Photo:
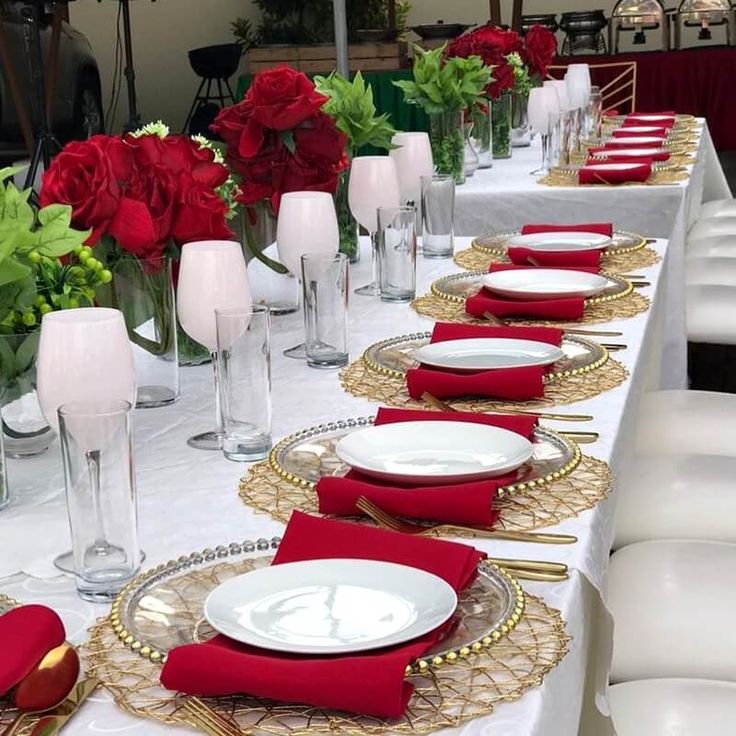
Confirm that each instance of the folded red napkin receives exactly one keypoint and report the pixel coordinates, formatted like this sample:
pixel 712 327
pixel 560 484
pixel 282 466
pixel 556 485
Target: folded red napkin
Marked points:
pixel 372 683
pixel 612 156
pixel 556 258
pixel 27 635
pixel 639 115
pixel 444 331
pixel 496 267
pixel 483 302
pixel 649 160
pixel 615 143
pixel 594 175
pixel 655 132
pixel 523 425
pixel 602 228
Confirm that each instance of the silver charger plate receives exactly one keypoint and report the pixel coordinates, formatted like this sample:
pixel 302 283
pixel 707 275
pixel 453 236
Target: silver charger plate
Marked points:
pixel 461 286
pixel 495 243
pixel 305 457
pixel 393 357
pixel 164 607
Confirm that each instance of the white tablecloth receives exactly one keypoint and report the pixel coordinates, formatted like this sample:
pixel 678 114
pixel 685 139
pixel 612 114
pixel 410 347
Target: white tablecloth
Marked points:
pixel 188 500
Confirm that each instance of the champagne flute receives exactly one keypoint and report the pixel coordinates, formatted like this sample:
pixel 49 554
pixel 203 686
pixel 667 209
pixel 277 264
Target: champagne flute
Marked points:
pixel 85 355
pixel 307 223
pixel 541 107
pixel 212 275
pixel 373 183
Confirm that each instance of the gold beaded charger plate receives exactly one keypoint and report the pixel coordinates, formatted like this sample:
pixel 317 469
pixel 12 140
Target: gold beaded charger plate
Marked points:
pixel 504 642
pixel 563 176
pixel 558 483
pixel 585 371
pixel 446 301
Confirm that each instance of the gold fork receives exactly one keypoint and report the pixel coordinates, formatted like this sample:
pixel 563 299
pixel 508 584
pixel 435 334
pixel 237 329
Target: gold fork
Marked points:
pixel 433 401
pixel 527 569
pixel 569 330
pixel 370 509
pixel 208 720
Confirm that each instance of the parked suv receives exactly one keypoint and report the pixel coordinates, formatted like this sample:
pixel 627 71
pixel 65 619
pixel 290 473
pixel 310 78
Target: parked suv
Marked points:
pixel 78 97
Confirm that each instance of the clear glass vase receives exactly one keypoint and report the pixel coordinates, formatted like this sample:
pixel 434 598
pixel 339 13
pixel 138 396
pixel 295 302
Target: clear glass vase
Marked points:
pixel 481 135
pixel 471 155
pixel 447 138
pixel 25 432
pixel 501 126
pixel 521 134
pixel 346 223
pixel 143 290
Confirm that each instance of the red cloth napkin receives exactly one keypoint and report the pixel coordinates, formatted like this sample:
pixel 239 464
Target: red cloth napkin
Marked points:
pixel 556 258
pixel 496 267
pixel 514 384
pixel 444 331
pixel 27 635
pixel 648 160
pixel 614 143
pixel 371 683
pixel 523 425
pixel 602 228
pixel 655 132
pixel 483 302
pixel 593 175
pixel 634 118
pixel 611 155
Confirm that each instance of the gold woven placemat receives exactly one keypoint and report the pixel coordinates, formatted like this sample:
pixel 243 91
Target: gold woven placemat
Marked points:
pixel 468 688
pixel 474 259
pixel 358 379
pixel 444 310
pixel 267 492
pixel 657 178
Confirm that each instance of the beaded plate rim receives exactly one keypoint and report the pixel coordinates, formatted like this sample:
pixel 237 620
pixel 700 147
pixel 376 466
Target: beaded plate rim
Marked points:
pixel 640 242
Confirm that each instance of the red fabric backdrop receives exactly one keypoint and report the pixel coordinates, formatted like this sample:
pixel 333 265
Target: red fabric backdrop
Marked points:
pixel 700 82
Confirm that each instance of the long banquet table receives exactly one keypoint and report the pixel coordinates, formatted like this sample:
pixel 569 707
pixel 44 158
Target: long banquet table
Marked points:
pixel 188 499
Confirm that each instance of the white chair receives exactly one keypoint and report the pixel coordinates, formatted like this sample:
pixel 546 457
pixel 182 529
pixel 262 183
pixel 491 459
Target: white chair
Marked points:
pixel 713 271
pixel 677 497
pixel 718 246
pixel 711 314
pixel 708 227
pixel 718 208
pixel 682 707
pixel 673 606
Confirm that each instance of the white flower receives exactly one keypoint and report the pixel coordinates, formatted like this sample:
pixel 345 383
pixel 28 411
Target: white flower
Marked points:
pixel 158 128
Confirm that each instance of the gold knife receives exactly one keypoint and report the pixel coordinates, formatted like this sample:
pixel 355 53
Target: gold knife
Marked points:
pixel 49 724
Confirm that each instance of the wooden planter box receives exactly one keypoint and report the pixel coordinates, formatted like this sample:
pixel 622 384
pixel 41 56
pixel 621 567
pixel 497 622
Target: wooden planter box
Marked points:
pixel 367 57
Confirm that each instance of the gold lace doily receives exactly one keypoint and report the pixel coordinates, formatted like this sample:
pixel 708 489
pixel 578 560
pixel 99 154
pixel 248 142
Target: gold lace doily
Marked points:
pixel 475 259
pixel 466 688
pixel 443 310
pixel 657 178
pixel 358 379
pixel 267 492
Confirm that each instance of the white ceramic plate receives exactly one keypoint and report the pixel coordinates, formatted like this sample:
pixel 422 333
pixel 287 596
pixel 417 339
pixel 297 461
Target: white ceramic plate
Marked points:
pixel 560 241
pixel 434 453
pixel 544 283
pixel 330 606
pixel 612 166
pixel 486 353
pixel 642 129
pixel 653 119
pixel 633 152
pixel 640 140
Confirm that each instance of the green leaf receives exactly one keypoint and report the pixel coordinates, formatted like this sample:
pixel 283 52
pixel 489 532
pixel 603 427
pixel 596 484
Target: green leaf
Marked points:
pixel 287 138
pixel 13 270
pixel 57 215
pixel 26 352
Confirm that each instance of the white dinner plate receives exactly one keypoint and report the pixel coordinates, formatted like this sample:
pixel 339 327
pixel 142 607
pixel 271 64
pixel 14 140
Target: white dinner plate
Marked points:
pixel 544 283
pixel 434 453
pixel 560 241
pixel 640 140
pixel 486 353
pixel 603 167
pixel 633 152
pixel 653 119
pixel 330 606
pixel 642 129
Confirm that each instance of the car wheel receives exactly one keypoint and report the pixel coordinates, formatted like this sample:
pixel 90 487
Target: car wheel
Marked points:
pixel 88 115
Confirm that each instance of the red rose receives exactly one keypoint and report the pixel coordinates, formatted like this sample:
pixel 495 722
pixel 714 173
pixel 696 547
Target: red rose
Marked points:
pixel 281 98
pixel 86 175
pixel 261 175
pixel 488 42
pixel 503 77
pixel 200 215
pixel 241 132
pixel 540 49
pixel 318 138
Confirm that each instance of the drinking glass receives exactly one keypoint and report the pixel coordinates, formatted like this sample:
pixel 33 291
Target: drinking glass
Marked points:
pixel 560 87
pixel 438 214
pixel 397 253
pixel 325 285
pixel 595 112
pixel 83 355
pixel 307 223
pixel 541 109
pixel 212 275
pixel 578 84
pixel 568 139
pixel 244 357
pixel 101 495
pixel 373 183
pixel 4 492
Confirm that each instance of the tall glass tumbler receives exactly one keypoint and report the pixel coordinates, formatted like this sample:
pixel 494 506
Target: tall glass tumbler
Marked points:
pixel 4 492
pixel 101 495
pixel 244 368
pixel 438 215
pixel 595 113
pixel 397 253
pixel 325 284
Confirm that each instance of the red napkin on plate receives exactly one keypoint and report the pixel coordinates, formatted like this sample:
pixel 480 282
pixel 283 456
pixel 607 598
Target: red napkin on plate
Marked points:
pixel 483 301
pixel 593 175
pixel 612 156
pixel 649 160
pixel 444 331
pixel 655 132
pixel 371 683
pixel 523 425
pixel 640 118
pixel 27 635
pixel 614 143
pixel 602 228
pixel 556 258
pixel 496 267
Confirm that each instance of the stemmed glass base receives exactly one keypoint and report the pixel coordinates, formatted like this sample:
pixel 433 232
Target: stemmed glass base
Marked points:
pixel 298 352
pixel 206 441
pixel 65 561
pixel 371 289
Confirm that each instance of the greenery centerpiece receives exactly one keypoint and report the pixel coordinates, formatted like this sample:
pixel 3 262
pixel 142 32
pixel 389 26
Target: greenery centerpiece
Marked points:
pixel 350 104
pixel 445 88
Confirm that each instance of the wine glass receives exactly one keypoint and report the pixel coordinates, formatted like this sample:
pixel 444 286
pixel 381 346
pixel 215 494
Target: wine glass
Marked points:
pixel 307 223
pixel 578 90
pixel 560 87
pixel 541 107
pixel 85 355
pixel 212 275
pixel 561 104
pixel 373 183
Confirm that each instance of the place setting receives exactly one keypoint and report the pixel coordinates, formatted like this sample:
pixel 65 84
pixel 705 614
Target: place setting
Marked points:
pixel 580 244
pixel 335 625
